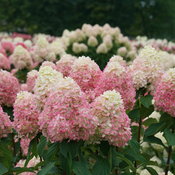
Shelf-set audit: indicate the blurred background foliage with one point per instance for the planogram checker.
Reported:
(153, 18)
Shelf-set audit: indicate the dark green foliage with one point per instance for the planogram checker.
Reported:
(154, 18)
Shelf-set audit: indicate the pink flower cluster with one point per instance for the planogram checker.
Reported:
(86, 73)
(65, 63)
(4, 62)
(117, 76)
(165, 93)
(9, 87)
(114, 124)
(5, 124)
(26, 114)
(66, 114)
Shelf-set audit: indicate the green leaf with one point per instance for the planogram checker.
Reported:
(41, 145)
(153, 139)
(151, 171)
(71, 147)
(104, 147)
(122, 157)
(145, 112)
(21, 170)
(134, 151)
(53, 149)
(146, 100)
(3, 169)
(47, 169)
(149, 121)
(81, 168)
(154, 128)
(134, 115)
(170, 137)
(101, 167)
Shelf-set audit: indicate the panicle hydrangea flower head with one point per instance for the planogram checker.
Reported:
(21, 58)
(4, 62)
(32, 163)
(5, 124)
(65, 63)
(31, 78)
(46, 81)
(122, 51)
(83, 125)
(49, 63)
(165, 93)
(119, 59)
(8, 46)
(92, 41)
(117, 76)
(58, 47)
(26, 113)
(86, 73)
(114, 124)
(42, 50)
(9, 87)
(147, 67)
(64, 100)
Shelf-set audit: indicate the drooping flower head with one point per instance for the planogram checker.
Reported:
(114, 124)
(5, 124)
(26, 113)
(165, 93)
(117, 76)
(9, 87)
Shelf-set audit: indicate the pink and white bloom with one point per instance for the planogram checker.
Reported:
(164, 96)
(9, 87)
(5, 124)
(26, 113)
(114, 124)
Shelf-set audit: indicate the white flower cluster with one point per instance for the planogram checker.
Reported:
(102, 38)
(46, 81)
(21, 58)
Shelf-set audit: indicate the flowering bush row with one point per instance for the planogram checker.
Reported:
(61, 112)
